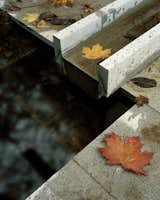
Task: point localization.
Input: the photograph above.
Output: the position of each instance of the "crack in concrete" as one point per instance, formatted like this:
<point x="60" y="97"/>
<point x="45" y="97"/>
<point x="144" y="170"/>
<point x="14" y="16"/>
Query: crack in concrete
<point x="90" y="175"/>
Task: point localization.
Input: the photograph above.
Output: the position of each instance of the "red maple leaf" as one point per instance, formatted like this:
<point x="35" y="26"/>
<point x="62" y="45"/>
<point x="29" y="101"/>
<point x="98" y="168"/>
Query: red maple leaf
<point x="127" y="153"/>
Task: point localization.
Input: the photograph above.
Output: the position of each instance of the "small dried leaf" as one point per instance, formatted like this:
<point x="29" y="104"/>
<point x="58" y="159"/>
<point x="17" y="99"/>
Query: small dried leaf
<point x="96" y="52"/>
<point x="30" y="17"/>
<point x="47" y="16"/>
<point x="41" y="24"/>
<point x="53" y="19"/>
<point x="87" y="8"/>
<point x="141" y="100"/>
<point x="144" y="82"/>
<point x="126" y="153"/>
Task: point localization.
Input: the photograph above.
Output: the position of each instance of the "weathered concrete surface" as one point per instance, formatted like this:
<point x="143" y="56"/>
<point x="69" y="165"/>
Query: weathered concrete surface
<point x="152" y="93"/>
<point x="70" y="183"/>
<point x="88" y="176"/>
<point x="121" y="184"/>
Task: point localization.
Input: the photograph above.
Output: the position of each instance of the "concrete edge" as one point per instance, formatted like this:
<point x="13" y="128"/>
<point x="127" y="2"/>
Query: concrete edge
<point x="128" y="61"/>
<point x="30" y="30"/>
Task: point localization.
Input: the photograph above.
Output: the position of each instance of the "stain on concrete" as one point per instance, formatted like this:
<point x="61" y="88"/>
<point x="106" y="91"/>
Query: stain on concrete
<point x="151" y="133"/>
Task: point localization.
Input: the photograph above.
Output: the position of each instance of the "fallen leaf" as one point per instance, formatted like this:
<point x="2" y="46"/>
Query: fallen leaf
<point x="54" y="19"/>
<point x="126" y="153"/>
<point x="96" y="52"/>
<point x="61" y="2"/>
<point x="144" y="82"/>
<point x="41" y="24"/>
<point x="141" y="100"/>
<point x="87" y="8"/>
<point x="47" y="16"/>
<point x="30" y="17"/>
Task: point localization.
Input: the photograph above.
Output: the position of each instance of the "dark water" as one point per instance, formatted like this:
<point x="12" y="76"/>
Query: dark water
<point x="44" y="122"/>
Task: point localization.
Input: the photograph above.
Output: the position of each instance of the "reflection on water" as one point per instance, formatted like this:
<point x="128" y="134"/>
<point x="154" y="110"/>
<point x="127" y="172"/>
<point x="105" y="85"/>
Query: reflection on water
<point x="44" y="120"/>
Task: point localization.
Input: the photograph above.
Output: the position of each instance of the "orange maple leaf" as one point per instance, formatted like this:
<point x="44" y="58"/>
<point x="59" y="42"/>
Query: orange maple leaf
<point x="141" y="100"/>
<point x="127" y="153"/>
<point x="96" y="52"/>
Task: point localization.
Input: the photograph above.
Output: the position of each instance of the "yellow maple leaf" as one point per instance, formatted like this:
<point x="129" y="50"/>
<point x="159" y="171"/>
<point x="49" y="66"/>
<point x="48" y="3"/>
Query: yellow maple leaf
<point x="30" y="17"/>
<point x="96" y="52"/>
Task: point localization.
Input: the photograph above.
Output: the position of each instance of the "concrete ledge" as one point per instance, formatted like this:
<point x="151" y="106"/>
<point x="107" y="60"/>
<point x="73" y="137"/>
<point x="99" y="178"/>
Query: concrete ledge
<point x="121" y="184"/>
<point x="44" y="36"/>
<point x="128" y="61"/>
<point x="70" y="183"/>
<point x="88" y="177"/>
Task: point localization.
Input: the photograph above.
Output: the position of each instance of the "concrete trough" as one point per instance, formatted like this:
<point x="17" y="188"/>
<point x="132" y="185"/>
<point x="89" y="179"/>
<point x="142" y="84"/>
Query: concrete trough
<point x="83" y="29"/>
<point x="131" y="36"/>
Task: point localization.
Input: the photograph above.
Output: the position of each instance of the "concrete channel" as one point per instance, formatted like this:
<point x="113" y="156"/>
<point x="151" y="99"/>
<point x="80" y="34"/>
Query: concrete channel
<point x="126" y="36"/>
<point x="131" y="29"/>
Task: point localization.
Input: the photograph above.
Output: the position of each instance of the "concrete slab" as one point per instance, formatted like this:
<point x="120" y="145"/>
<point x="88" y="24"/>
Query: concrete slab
<point x="70" y="183"/>
<point x="152" y="72"/>
<point x="122" y="184"/>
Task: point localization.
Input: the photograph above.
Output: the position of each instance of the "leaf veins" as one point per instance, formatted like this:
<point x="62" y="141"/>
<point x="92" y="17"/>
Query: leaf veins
<point x="126" y="153"/>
